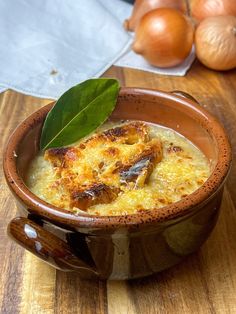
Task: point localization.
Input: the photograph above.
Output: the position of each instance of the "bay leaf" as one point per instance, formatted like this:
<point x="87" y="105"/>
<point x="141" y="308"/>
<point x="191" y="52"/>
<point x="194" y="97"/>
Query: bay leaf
<point x="79" y="111"/>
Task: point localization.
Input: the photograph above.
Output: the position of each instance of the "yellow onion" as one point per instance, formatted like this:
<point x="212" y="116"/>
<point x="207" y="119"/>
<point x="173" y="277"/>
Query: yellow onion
<point x="164" y="37"/>
<point x="141" y="7"/>
<point x="201" y="9"/>
<point x="215" y="42"/>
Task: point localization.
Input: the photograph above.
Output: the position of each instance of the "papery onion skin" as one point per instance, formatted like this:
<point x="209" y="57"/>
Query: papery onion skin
<point x="201" y="9"/>
<point x="215" y="42"/>
<point x="164" y="37"/>
<point x="141" y="7"/>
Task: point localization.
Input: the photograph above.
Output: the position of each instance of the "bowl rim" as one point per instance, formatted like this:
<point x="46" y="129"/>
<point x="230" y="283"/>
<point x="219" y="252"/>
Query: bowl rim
<point x="178" y="209"/>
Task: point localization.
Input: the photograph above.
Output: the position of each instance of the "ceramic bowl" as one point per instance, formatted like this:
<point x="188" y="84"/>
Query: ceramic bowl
<point x="128" y="246"/>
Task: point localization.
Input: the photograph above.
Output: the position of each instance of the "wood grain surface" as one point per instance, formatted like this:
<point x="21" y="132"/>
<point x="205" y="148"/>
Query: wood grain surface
<point x="204" y="283"/>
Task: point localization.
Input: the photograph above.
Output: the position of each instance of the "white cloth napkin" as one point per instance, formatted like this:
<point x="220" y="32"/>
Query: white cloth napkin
<point x="2" y="89"/>
<point x="47" y="46"/>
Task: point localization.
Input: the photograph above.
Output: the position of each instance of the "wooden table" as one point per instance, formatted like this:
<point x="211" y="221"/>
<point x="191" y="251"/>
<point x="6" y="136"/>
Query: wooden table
<point x="204" y="283"/>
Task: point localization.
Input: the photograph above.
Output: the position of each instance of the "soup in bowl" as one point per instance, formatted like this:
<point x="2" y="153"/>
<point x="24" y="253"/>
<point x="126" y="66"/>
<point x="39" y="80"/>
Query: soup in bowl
<point x="132" y="199"/>
<point x="123" y="168"/>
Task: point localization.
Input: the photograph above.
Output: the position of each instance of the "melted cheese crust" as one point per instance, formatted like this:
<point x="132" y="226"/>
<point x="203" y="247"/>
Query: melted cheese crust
<point x="121" y="169"/>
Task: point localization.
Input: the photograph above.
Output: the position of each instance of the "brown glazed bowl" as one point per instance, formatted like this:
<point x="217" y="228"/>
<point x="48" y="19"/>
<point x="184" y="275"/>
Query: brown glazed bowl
<point x="129" y="246"/>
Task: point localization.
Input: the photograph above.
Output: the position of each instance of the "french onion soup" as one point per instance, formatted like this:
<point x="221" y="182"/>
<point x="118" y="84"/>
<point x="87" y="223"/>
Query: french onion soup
<point x="123" y="168"/>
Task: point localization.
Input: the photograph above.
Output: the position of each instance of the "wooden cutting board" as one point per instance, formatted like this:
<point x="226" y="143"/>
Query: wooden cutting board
<point x="204" y="283"/>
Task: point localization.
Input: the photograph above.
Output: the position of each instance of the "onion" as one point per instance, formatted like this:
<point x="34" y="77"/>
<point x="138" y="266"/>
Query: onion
<point x="215" y="42"/>
<point x="164" y="37"/>
<point x="141" y="7"/>
<point x="202" y="9"/>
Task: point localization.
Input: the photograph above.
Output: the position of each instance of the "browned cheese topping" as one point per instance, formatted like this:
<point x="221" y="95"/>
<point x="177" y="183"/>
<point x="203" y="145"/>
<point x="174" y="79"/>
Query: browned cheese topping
<point x="100" y="168"/>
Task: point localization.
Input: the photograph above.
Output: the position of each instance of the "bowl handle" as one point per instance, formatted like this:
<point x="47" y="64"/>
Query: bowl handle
<point x="46" y="245"/>
<point x="184" y="94"/>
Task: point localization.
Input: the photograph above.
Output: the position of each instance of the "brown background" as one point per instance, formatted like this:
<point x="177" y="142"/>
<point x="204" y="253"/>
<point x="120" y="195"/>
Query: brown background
<point x="204" y="283"/>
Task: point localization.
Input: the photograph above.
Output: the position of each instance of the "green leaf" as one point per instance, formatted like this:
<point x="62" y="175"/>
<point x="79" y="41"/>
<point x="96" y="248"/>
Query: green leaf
<point x="79" y="111"/>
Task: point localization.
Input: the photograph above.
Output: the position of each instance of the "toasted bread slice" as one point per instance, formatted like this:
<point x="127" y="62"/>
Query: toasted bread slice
<point x="96" y="170"/>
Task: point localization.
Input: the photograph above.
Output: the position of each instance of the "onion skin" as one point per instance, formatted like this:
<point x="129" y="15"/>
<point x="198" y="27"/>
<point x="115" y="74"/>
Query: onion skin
<point x="141" y="7"/>
<point x="201" y="9"/>
<point x="215" y="42"/>
<point x="164" y="37"/>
